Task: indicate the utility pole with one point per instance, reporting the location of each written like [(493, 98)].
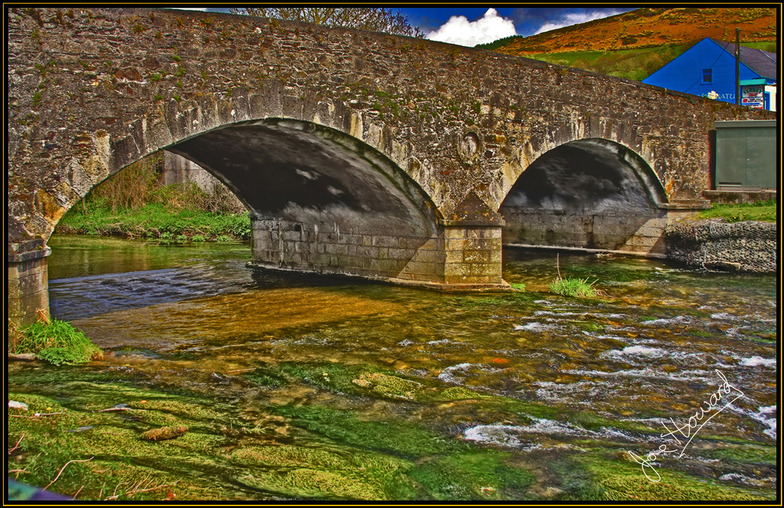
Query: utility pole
[(737, 66)]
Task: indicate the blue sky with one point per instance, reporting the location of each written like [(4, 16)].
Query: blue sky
[(469, 26), (481, 23)]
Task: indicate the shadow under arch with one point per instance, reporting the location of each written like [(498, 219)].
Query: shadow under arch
[(320, 200), (591, 193)]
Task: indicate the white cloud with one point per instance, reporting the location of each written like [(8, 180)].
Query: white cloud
[(575, 18), (489, 28)]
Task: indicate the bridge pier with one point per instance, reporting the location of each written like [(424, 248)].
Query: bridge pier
[(458, 256), (472, 256), (28, 282)]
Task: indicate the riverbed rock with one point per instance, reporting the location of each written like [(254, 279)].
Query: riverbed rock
[(164, 433), (17, 405)]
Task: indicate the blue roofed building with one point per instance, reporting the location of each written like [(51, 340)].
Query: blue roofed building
[(707, 69)]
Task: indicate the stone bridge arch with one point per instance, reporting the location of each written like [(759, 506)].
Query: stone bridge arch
[(323, 201), (589, 193), (91, 90), (619, 137)]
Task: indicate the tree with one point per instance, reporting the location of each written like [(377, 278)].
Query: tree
[(376, 19)]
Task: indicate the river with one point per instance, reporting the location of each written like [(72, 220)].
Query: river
[(301, 388)]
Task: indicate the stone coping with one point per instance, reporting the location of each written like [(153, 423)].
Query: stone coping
[(27, 251)]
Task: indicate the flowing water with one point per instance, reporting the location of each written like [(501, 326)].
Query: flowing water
[(304, 388)]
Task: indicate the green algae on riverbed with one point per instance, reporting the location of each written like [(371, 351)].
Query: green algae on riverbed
[(330, 448), (252, 457), (623, 480), (341, 391)]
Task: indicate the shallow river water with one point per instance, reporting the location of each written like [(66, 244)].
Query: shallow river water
[(298, 388)]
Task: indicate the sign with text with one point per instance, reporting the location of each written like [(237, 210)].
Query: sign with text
[(753, 96)]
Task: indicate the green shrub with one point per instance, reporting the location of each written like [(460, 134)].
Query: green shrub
[(54, 341), (130, 188)]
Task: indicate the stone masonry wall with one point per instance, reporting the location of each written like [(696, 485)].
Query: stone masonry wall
[(473, 255), (467, 256), (634, 231), (27, 283), (750, 246), (302, 247)]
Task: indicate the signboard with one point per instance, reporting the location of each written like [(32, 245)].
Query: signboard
[(753, 96)]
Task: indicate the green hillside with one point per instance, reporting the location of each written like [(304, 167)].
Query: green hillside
[(635, 44)]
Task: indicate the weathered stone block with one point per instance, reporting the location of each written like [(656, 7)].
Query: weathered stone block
[(481, 244), (401, 254), (476, 256), (494, 233), (455, 233), (643, 243), (27, 290), (456, 244), (292, 258), (385, 241), (337, 249), (453, 256), (457, 269), (650, 231)]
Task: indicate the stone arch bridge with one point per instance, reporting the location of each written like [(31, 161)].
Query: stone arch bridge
[(358, 153)]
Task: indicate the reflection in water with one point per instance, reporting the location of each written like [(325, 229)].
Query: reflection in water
[(560, 377)]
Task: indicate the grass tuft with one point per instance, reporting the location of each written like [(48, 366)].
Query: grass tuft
[(54, 341), (572, 286)]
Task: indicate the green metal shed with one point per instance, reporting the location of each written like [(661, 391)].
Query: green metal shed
[(746, 155)]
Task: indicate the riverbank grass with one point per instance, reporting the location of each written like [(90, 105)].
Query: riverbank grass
[(158, 221), (134, 203), (53, 341), (765, 211)]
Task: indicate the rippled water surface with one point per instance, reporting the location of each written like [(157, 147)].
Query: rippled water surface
[(359, 390)]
